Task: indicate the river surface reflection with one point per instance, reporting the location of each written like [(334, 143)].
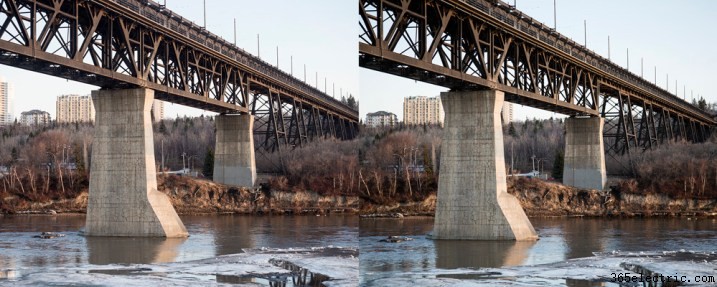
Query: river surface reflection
[(210, 236), (560, 239)]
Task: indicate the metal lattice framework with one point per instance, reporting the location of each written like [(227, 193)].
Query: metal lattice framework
[(138, 43), (487, 44)]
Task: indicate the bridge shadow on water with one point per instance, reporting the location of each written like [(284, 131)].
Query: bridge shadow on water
[(454, 254), (132, 250)]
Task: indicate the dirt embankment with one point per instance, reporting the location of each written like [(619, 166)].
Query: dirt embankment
[(197, 196), (540, 198)]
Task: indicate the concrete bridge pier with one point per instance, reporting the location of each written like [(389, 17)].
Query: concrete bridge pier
[(473, 202), (123, 198), (584, 165), (234, 162)]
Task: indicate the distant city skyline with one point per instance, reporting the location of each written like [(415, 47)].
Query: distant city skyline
[(335, 59), (638, 25)]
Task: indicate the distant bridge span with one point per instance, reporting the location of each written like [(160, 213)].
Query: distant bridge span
[(486, 52)]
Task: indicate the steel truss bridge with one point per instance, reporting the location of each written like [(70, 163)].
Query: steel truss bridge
[(117, 44), (487, 44)]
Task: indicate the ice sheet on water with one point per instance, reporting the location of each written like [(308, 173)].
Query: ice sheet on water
[(598, 268), (339, 264)]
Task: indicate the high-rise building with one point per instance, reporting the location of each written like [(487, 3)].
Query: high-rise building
[(507, 112), (429, 110), (35, 118), (381, 119), (158, 110), (420, 110), (7, 95), (75, 108)]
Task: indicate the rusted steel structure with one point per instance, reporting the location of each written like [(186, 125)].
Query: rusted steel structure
[(487, 44), (117, 44)]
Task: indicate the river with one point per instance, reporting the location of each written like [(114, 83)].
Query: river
[(597, 247), (210, 236)]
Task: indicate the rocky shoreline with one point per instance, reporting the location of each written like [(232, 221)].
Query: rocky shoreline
[(547, 199), (195, 196), (538, 198)]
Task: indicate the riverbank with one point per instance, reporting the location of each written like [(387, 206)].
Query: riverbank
[(198, 196), (544, 199)]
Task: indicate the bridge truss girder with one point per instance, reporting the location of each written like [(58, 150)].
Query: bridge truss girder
[(116, 44), (481, 44)]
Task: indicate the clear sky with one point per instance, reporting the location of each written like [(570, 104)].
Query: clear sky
[(676, 36), (317, 33)]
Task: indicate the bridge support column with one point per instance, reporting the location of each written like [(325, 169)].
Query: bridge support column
[(234, 162), (123, 198), (584, 165), (473, 202)]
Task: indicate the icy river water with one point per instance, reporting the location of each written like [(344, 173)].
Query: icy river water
[(331, 251), (570, 252), (218, 248)]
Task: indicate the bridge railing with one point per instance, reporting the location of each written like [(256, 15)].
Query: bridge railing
[(516, 19), (166, 18)]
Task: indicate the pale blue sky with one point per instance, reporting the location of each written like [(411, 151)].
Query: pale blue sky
[(318, 33), (676, 36)]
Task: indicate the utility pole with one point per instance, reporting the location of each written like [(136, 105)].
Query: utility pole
[(184, 165), (585, 29), (533, 157), (511, 158), (642, 67), (555, 15)]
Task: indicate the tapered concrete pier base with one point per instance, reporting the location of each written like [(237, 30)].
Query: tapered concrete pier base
[(234, 162), (584, 165), (123, 198), (473, 202)]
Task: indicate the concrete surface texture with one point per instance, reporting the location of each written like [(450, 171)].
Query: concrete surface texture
[(473, 202), (123, 197), (234, 162), (584, 165)]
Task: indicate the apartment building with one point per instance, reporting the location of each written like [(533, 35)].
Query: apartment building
[(381, 119)]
